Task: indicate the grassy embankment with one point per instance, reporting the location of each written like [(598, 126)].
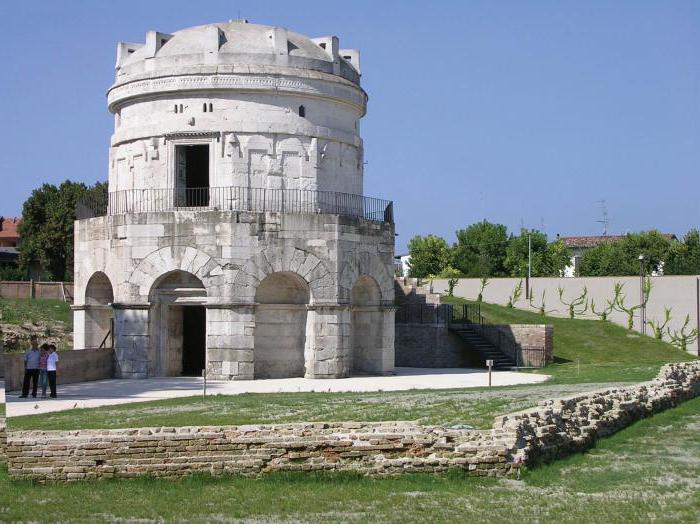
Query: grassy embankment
[(647, 472), (50, 320)]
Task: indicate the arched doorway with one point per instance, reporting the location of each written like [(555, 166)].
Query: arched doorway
[(98, 312), (178, 325), (366, 326), (280, 326)]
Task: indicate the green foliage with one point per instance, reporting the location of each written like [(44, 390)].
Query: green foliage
[(484, 281), (12, 272), (621, 257), (452, 275), (658, 326), (603, 313), (542, 308), (548, 259), (680, 338), (515, 296), (684, 257), (480, 250), (47, 227), (630, 310), (430, 255), (575, 304)]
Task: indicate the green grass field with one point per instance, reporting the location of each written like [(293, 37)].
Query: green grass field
[(588, 352), (591, 350), (474, 407), (20, 311), (647, 472)]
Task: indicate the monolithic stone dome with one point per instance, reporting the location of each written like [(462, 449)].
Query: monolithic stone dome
[(235, 44)]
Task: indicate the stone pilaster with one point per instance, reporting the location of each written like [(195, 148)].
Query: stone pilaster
[(230, 341), (328, 349)]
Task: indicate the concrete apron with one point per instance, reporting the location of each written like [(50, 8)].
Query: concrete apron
[(124, 391)]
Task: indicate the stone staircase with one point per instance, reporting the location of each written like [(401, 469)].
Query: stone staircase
[(485, 349), (409, 293)]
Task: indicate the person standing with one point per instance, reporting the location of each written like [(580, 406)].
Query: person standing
[(31, 367), (43, 377), (51, 366)]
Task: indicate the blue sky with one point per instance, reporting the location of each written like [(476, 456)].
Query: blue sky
[(522, 112)]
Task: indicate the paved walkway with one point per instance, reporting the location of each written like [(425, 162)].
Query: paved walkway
[(120, 391)]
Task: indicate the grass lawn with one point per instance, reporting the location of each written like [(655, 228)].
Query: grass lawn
[(607, 354), (647, 472), (474, 407), (21, 310), (591, 350)]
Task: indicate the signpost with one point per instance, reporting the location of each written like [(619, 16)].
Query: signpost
[(489, 364)]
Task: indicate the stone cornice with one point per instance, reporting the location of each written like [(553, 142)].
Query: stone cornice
[(275, 83)]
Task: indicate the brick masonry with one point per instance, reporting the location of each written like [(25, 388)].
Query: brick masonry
[(529, 345), (555, 428)]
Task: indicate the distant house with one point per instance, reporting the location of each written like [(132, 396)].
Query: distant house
[(9, 234), (402, 264), (579, 245), (9, 240)]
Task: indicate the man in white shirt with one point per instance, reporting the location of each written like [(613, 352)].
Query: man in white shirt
[(51, 365)]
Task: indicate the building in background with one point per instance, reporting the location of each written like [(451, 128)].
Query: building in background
[(580, 244), (9, 241)]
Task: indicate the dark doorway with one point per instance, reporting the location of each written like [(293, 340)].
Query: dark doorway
[(194, 340), (192, 176)]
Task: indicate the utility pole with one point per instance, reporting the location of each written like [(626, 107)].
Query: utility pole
[(529, 265), (529, 256)]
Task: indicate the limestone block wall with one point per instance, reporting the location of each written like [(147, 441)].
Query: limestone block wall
[(554, 429), (228, 255), (74, 366)]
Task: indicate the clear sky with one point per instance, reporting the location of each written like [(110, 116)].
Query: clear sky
[(520, 112)]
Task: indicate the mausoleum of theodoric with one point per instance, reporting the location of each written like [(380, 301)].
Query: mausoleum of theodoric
[(235, 236)]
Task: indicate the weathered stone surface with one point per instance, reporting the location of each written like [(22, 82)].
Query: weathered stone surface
[(262, 120)]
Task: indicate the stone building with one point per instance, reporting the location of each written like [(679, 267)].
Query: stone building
[(235, 235)]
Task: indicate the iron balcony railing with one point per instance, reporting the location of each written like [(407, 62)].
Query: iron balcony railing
[(440, 314), (257, 200)]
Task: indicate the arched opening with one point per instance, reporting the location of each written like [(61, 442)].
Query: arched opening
[(366, 326), (99, 296), (280, 326), (178, 325)]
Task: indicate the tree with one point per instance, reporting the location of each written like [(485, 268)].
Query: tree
[(621, 257), (430, 255), (684, 257), (480, 250), (47, 227), (548, 259)]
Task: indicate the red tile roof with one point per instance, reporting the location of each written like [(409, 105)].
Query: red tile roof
[(592, 241)]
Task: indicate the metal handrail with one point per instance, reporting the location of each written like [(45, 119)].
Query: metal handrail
[(257, 200)]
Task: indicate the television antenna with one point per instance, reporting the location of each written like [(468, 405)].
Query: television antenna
[(604, 216)]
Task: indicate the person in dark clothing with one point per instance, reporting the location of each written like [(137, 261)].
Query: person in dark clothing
[(32, 360)]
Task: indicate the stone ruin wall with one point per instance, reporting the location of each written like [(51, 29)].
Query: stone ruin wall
[(555, 428)]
